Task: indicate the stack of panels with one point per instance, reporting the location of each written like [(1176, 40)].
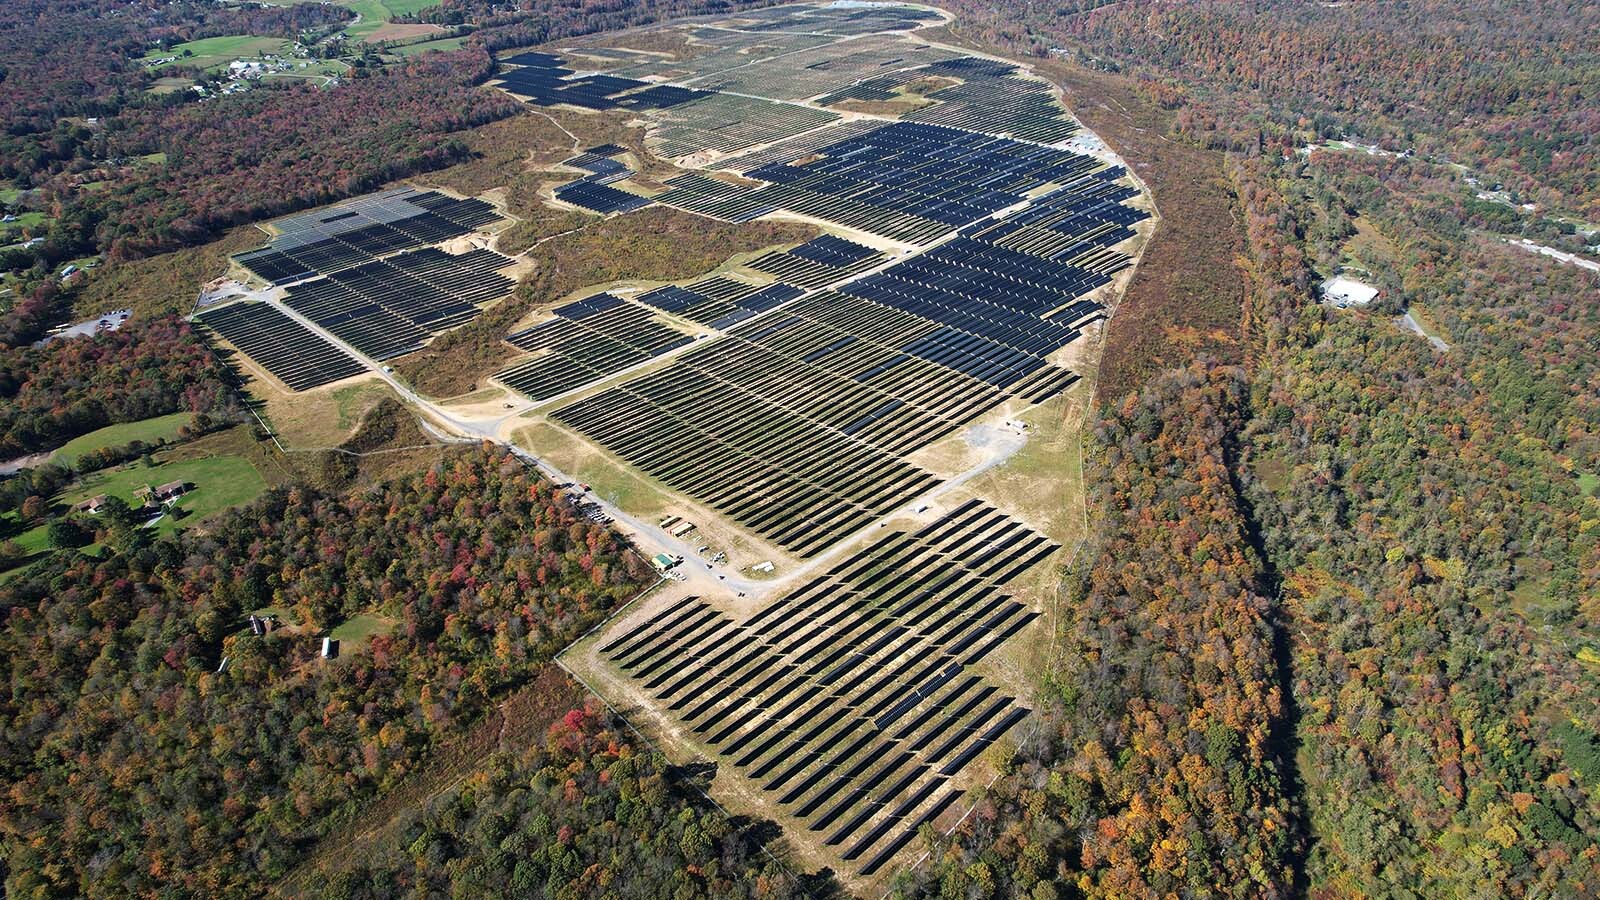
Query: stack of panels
[(787, 151), (546, 81), (362, 230), (1022, 107), (910, 182), (720, 301), (294, 354), (729, 123), (660, 96), (708, 196), (601, 198)]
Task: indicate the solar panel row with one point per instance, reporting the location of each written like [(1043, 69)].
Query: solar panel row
[(293, 353), (852, 700), (389, 307), (910, 182), (588, 340), (819, 262), (545, 81), (594, 192), (720, 301), (360, 230)]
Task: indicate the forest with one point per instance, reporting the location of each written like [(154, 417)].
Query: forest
[(1394, 689), (66, 388), (1506, 87), (142, 763), (587, 812)]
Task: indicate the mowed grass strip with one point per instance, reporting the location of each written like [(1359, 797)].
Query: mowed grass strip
[(148, 430)]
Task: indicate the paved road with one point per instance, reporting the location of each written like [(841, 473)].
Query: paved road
[(1562, 255), (1410, 323)]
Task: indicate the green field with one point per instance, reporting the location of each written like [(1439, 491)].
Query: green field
[(34, 540), (217, 51), (312, 68), (1589, 484), (27, 220), (148, 430), (449, 43), (374, 13), (355, 631), (217, 483)]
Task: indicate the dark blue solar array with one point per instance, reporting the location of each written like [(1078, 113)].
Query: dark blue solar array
[(600, 198), (720, 302), (908, 181), (589, 306), (593, 191), (1005, 292), (833, 251), (590, 339), (943, 174), (546, 81)]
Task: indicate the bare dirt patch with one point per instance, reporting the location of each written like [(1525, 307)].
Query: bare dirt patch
[(397, 31)]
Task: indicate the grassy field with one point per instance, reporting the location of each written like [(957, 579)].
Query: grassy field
[(355, 631), (450, 43), (217, 483), (28, 219), (319, 418), (1589, 484), (148, 430), (217, 51), (313, 68), (374, 13)]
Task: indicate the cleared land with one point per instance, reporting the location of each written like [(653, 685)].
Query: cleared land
[(218, 482), (943, 318), (216, 51), (150, 431), (807, 305)]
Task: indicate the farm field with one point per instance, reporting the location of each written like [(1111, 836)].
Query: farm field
[(215, 51), (420, 47), (375, 14), (854, 451)]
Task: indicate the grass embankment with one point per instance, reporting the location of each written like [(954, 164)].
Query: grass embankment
[(150, 431)]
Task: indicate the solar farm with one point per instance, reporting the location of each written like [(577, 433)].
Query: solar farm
[(363, 279), (837, 434), (819, 401)]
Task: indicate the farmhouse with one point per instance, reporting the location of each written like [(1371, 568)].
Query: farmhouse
[(165, 493), (91, 506)]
